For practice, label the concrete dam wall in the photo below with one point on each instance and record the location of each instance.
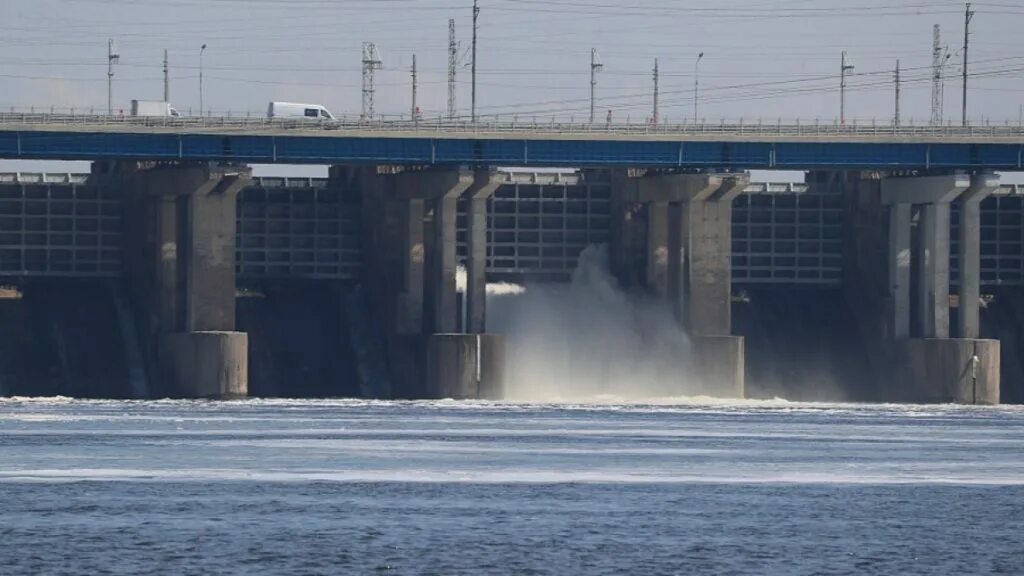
(200, 281)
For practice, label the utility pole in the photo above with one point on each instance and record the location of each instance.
(968, 16)
(476, 14)
(112, 58)
(896, 120)
(371, 63)
(595, 67)
(167, 79)
(202, 50)
(414, 109)
(453, 56)
(696, 84)
(937, 62)
(654, 116)
(843, 69)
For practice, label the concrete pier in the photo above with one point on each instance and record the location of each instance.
(485, 183)
(411, 257)
(969, 253)
(961, 371)
(181, 245)
(465, 366)
(687, 231)
(932, 195)
(908, 337)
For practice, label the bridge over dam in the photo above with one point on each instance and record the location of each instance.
(896, 268)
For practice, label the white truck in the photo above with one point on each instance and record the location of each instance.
(153, 108)
(295, 110)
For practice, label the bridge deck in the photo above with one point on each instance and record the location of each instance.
(733, 146)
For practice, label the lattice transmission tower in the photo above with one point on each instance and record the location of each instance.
(371, 63)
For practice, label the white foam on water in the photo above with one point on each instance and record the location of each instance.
(477, 476)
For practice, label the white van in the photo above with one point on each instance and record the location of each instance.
(293, 110)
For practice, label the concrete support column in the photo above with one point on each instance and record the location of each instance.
(708, 259)
(166, 232)
(931, 367)
(184, 274)
(934, 194)
(933, 266)
(465, 366)
(427, 357)
(485, 183)
(409, 313)
(688, 256)
(899, 269)
(210, 272)
(969, 254)
(658, 248)
(948, 370)
(443, 266)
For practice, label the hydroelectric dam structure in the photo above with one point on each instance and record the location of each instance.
(170, 271)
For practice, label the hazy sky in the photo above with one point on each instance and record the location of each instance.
(763, 58)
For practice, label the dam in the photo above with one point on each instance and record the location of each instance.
(157, 280)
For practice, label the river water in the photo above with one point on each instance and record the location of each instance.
(352, 487)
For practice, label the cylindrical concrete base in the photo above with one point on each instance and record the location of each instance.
(206, 364)
(465, 366)
(947, 370)
(721, 365)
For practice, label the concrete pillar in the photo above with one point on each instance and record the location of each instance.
(166, 231)
(186, 276)
(465, 366)
(721, 364)
(932, 367)
(933, 265)
(210, 264)
(444, 312)
(213, 365)
(708, 252)
(627, 231)
(485, 183)
(969, 254)
(409, 313)
(933, 194)
(948, 371)
(899, 269)
(658, 248)
(440, 189)
(428, 359)
(688, 255)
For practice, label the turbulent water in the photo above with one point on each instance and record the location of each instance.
(347, 487)
(584, 339)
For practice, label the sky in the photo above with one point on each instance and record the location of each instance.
(762, 59)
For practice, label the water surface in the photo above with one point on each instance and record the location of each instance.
(346, 487)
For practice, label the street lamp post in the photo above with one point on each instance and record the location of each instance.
(201, 51)
(112, 58)
(843, 69)
(595, 67)
(696, 84)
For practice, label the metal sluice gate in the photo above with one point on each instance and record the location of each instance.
(61, 225)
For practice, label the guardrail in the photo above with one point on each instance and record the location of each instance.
(12, 121)
(512, 177)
